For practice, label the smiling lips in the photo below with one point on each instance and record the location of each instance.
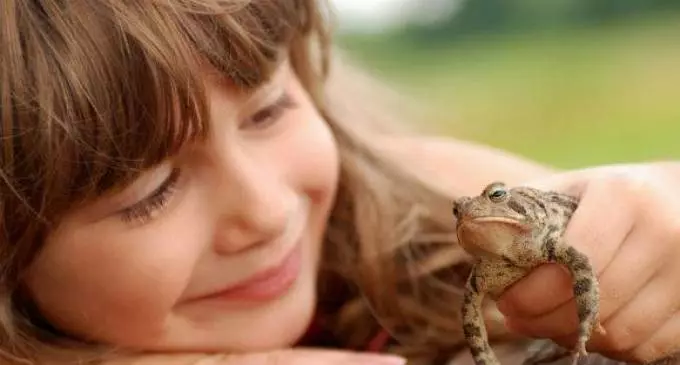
(272, 282)
(265, 285)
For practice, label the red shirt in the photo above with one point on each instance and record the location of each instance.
(316, 336)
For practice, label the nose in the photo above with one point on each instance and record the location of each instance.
(255, 208)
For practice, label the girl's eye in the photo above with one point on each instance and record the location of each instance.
(272, 113)
(144, 210)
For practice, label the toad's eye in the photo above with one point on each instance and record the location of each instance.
(497, 193)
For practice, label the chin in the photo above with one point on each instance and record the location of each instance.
(289, 326)
(288, 320)
(297, 311)
(279, 324)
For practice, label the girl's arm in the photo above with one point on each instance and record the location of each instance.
(299, 356)
(461, 167)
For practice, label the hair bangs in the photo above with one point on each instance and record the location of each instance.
(94, 92)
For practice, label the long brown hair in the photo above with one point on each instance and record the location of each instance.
(93, 91)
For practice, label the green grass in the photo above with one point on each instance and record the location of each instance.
(569, 98)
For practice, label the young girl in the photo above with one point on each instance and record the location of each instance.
(193, 181)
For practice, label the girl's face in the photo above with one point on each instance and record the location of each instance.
(215, 250)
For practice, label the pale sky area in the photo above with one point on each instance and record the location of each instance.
(377, 15)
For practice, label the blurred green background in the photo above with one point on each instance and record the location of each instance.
(568, 83)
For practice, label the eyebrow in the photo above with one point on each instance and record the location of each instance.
(277, 80)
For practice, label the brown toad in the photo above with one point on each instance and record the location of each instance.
(509, 232)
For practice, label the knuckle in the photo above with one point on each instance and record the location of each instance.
(665, 229)
(225, 359)
(653, 351)
(673, 229)
(638, 192)
(623, 337)
(274, 358)
(215, 359)
(625, 181)
(616, 179)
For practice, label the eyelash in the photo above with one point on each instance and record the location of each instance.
(143, 211)
(273, 112)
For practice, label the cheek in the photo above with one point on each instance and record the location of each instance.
(312, 157)
(316, 161)
(103, 284)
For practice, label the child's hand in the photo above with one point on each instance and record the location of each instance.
(277, 357)
(628, 223)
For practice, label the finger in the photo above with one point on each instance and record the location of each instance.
(634, 307)
(307, 357)
(641, 319)
(632, 269)
(624, 327)
(627, 328)
(546, 281)
(576, 182)
(573, 182)
(569, 341)
(618, 285)
(663, 343)
(596, 189)
(600, 238)
(563, 321)
(598, 241)
(637, 321)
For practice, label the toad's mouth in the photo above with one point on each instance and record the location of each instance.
(492, 220)
(501, 220)
(496, 219)
(490, 235)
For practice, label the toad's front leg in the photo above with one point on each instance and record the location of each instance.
(585, 287)
(473, 323)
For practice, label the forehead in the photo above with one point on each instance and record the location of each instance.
(227, 102)
(278, 72)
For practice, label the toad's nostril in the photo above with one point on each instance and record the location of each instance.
(457, 205)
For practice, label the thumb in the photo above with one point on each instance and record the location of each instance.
(570, 182)
(575, 182)
(600, 223)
